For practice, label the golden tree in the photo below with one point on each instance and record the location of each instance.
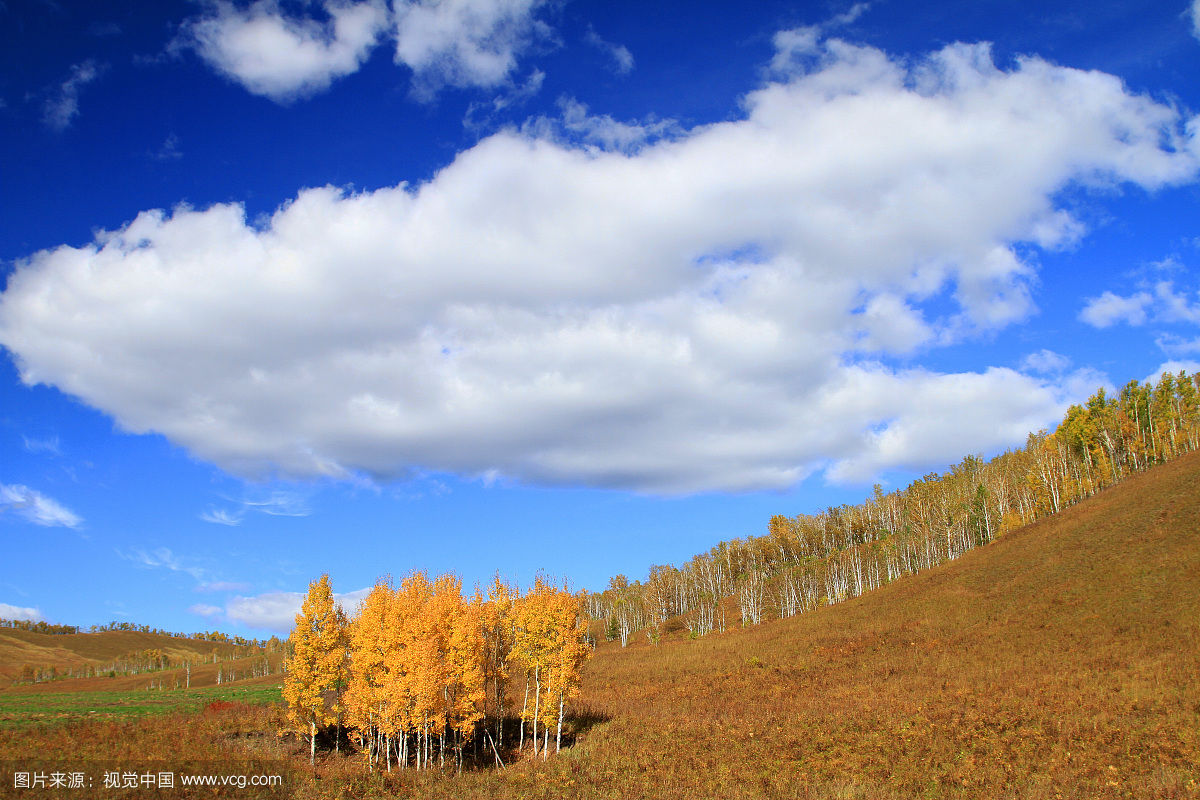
(570, 650)
(316, 669)
(367, 708)
(497, 623)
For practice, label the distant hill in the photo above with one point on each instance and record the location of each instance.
(1060, 660)
(75, 653)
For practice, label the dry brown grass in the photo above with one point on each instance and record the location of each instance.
(1061, 661)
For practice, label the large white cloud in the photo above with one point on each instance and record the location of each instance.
(704, 311)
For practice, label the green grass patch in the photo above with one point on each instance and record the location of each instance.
(21, 710)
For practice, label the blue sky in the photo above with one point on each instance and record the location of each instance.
(363, 287)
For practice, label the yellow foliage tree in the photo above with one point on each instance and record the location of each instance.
(316, 670)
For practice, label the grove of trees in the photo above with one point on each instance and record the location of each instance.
(422, 673)
(815, 559)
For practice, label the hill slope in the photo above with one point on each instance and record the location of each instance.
(1060, 660)
(74, 650)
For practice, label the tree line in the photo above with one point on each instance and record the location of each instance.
(421, 673)
(272, 645)
(810, 560)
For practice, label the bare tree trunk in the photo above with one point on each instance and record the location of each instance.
(537, 704)
(524, 706)
(312, 742)
(558, 735)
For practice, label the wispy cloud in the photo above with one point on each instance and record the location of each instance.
(619, 53)
(849, 16)
(278, 503)
(63, 106)
(219, 516)
(169, 150)
(37, 507)
(222, 586)
(163, 558)
(205, 610)
(50, 446)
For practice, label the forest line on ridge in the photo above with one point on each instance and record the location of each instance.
(810, 560)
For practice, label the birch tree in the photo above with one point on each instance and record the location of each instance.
(315, 669)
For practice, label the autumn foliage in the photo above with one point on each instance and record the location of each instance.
(427, 670)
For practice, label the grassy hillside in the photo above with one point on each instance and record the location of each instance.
(1059, 661)
(74, 650)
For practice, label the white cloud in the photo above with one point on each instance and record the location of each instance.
(926, 418)
(276, 611)
(464, 42)
(169, 151)
(682, 316)
(37, 507)
(619, 53)
(1174, 345)
(1108, 309)
(49, 446)
(222, 586)
(889, 325)
(851, 15)
(1165, 305)
(1174, 306)
(219, 516)
(205, 610)
(276, 503)
(1045, 362)
(63, 106)
(576, 125)
(1191, 367)
(1195, 15)
(283, 57)
(279, 503)
(20, 613)
(163, 558)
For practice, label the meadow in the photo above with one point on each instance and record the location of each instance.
(1059, 661)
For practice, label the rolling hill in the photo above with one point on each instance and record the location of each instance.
(73, 651)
